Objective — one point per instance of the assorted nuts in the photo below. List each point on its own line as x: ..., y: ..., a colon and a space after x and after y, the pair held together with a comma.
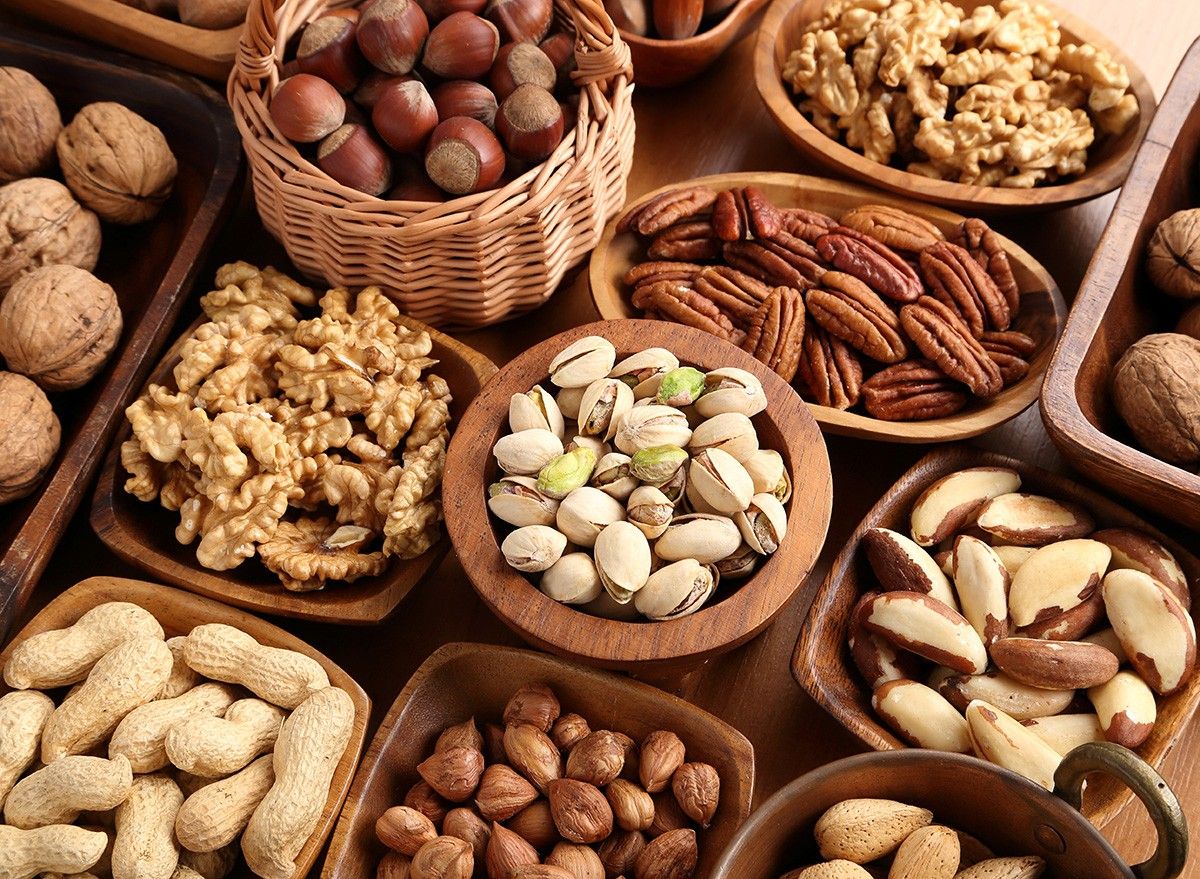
x: 640, y: 484
x: 546, y: 797
x: 1019, y: 603
x: 667, y: 19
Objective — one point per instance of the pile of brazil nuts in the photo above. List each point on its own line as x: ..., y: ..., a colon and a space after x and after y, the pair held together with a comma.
x: 871, y: 831
x: 1010, y: 608
x: 543, y: 796
x: 164, y: 752
x: 650, y: 528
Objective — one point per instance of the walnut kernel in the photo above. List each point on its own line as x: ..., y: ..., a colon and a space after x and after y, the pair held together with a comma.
x: 29, y: 435
x: 1156, y: 389
x: 29, y: 124
x: 41, y: 224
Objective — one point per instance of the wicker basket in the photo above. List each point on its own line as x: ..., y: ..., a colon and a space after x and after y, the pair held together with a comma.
x: 467, y: 262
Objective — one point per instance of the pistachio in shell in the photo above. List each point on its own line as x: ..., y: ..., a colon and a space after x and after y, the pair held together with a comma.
x: 675, y: 590
x: 700, y: 536
x: 681, y: 387
x: 566, y: 472
x: 605, y: 401
x: 612, y: 476
x: 650, y: 511
x: 721, y: 481
x: 568, y: 402
x: 535, y: 408
x: 740, y: 564
x: 533, y: 548
x: 643, y: 372
x: 595, y: 445
x: 526, y: 452
x: 644, y: 427
x: 622, y: 556
x: 696, y: 503
x: 583, y: 362
x: 517, y: 501
x: 656, y: 465
x: 730, y: 389
x: 585, y: 512
x: 769, y: 474
x: 764, y: 523
x: 572, y: 579
x: 675, y: 487
x: 730, y: 432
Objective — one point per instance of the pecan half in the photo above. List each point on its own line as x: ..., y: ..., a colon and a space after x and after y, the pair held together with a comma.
x: 742, y: 214
x: 978, y: 239
x: 914, y: 390
x: 852, y: 311
x: 805, y: 224
x: 897, y: 229
x: 776, y: 336
x: 753, y: 258
x: 1011, y: 350
x: 941, y: 336
x: 647, y: 273
x: 799, y: 254
x: 691, y: 241
x: 957, y: 280
x: 830, y: 369
x: 680, y: 303
x: 735, y: 293
x: 872, y: 262
x: 667, y: 210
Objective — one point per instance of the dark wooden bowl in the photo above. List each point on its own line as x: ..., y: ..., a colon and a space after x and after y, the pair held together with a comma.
x: 735, y: 616
x: 1043, y: 311
x: 179, y: 613
x: 1117, y: 305
x: 459, y: 681
x: 1109, y: 159
x: 822, y: 662
x: 144, y: 533
x: 151, y: 267
x: 1008, y: 813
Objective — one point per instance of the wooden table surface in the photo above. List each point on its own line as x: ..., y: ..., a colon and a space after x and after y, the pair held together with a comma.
x: 718, y: 124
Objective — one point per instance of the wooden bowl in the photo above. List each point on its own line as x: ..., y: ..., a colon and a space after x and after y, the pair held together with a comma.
x: 180, y: 612
x: 660, y: 63
x: 735, y: 616
x: 459, y: 681
x: 1042, y: 308
x: 1108, y: 160
x: 1006, y: 812
x: 822, y: 664
x: 143, y: 534
x: 1117, y: 305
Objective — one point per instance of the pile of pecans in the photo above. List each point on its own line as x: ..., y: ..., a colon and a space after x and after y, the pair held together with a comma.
x: 877, y: 308
x: 545, y: 797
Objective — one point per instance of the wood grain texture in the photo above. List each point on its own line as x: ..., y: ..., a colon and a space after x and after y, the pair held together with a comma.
x: 1042, y: 314
x: 1108, y: 160
x: 179, y: 613
x: 476, y: 680
x: 738, y: 611
x: 660, y: 63
x: 1117, y: 305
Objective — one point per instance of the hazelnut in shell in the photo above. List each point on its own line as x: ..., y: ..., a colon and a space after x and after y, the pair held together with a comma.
x: 630, y: 16
x: 328, y: 49
x: 29, y: 124
x: 306, y: 109
x: 42, y: 224
x: 677, y: 19
x: 530, y: 122
x: 463, y: 156
x: 29, y: 436
x: 439, y: 9
x: 521, y: 20
x: 352, y: 157
x: 59, y: 325
x: 464, y: 97
x: 405, y: 116
x: 461, y: 46
x: 117, y: 163
x: 213, y: 14
x: 372, y: 87
x: 520, y: 63
x: 560, y: 49
x: 413, y: 184
x: 391, y: 34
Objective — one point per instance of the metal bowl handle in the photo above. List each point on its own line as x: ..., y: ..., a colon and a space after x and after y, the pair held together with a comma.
x: 1170, y: 855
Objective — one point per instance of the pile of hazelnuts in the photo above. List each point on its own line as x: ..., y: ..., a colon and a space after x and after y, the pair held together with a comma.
x: 424, y: 99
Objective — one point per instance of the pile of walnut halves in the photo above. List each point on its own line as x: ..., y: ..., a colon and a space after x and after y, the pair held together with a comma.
x: 305, y: 441
x: 879, y: 307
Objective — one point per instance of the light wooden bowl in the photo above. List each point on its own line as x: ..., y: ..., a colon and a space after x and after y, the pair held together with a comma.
x: 143, y: 534
x: 1117, y: 305
x: 1042, y: 308
x: 459, y: 681
x: 1109, y: 159
x: 733, y: 616
x: 180, y: 612
x: 660, y: 63
x: 822, y: 662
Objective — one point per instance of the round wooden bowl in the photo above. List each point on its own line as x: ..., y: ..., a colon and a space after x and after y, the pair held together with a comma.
x: 661, y: 63
x: 1042, y: 315
x: 1109, y: 159
x: 733, y: 616
x: 1009, y: 814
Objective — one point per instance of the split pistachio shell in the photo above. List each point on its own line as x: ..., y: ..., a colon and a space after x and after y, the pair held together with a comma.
x: 696, y: 503
x: 622, y: 556
x: 675, y: 487
x: 565, y: 473
x: 533, y: 548
x: 517, y: 501
x: 612, y: 476
x: 730, y: 389
x: 681, y: 387
x: 730, y: 432
x: 585, y: 512
x: 535, y: 408
x: 604, y: 404
x: 650, y: 510
x: 763, y: 524
x: 595, y: 445
x: 705, y: 538
x: 769, y: 474
x: 740, y: 564
x: 643, y: 371
x: 657, y: 465
x: 583, y: 362
x: 569, y: 400
x: 644, y: 427
x: 721, y: 481
x: 526, y: 452
x: 675, y: 590
x: 572, y: 579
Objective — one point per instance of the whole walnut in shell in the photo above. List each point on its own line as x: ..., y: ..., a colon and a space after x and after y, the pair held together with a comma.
x: 1173, y: 255
x: 29, y: 435
x: 1156, y: 389
x: 29, y: 124
x: 41, y: 224
x: 58, y: 325
x: 116, y: 162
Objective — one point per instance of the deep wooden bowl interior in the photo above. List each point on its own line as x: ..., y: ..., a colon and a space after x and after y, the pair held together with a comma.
x: 822, y: 663
x: 659, y: 63
x: 734, y: 615
x: 1108, y: 163
x: 1117, y: 305
x: 459, y: 681
x: 179, y: 613
x: 1042, y: 314
x: 144, y: 533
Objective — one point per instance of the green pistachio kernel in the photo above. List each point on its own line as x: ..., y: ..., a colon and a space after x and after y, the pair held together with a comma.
x: 657, y: 464
x: 566, y: 473
x: 681, y: 387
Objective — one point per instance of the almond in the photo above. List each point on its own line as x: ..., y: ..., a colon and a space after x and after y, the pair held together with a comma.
x: 1139, y: 551
x: 862, y: 830
x: 1066, y: 732
x: 971, y: 851
x: 580, y: 811
x: 404, y: 829
x: 632, y: 807
x: 671, y: 856
x: 462, y: 735
x: 454, y: 773
x: 833, y: 870
x: 661, y: 754
x: 1126, y: 708
x: 1017, y: 700
x: 1002, y: 740
x: 928, y: 853
x: 900, y: 565
x: 922, y: 717
x: 598, y: 759
x: 952, y: 502
x: 1153, y: 627
x: 580, y: 861
x: 1054, y: 665
x: 928, y: 628
x: 503, y: 793
x: 982, y: 581
x: 1033, y: 520
x: 697, y: 789
x: 1029, y: 867
x: 532, y: 754
x: 534, y: 704
x: 1056, y: 579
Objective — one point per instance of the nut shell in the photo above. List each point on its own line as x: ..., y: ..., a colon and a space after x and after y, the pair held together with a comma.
x: 42, y: 224
x: 29, y: 436
x: 1173, y: 254
x: 29, y: 124
x: 1156, y: 390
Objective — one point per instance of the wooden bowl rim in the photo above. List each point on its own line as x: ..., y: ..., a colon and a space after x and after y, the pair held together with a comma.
x: 723, y: 33
x: 1090, y: 184
x: 510, y: 594
x: 611, y: 302
x: 120, y: 535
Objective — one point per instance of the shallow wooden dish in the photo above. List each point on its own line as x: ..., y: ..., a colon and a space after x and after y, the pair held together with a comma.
x: 1109, y: 161
x: 659, y: 63
x: 736, y: 615
x: 1042, y: 308
x: 180, y: 612
x: 822, y: 662
x: 1117, y: 305
x: 144, y: 533
x: 459, y: 681
x: 151, y: 266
